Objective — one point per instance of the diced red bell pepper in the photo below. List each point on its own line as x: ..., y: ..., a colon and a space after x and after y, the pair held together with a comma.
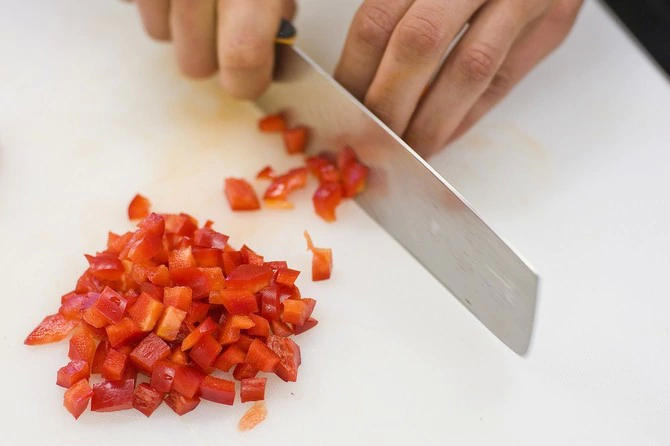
x: 345, y: 157
x: 354, y: 179
x: 251, y: 277
x: 152, y: 290
x: 181, y: 404
x: 244, y: 371
x: 88, y: 283
x: 142, y: 246
x: 236, y: 301
x: 261, y: 326
x: 241, y: 196
x: 322, y: 263
x: 149, y: 351
x: 112, y: 239
x: 146, y: 311
x: 297, y: 311
x: 231, y: 260
x: 182, y: 224
x: 138, y: 273
x: 326, y: 199
x: 169, y: 323
x: 100, y: 355
x: 295, y: 139
x: 276, y: 265
x: 163, y: 375
x: 181, y: 258
x: 217, y: 390
x: 248, y: 255
x: 208, y: 326
x: 158, y: 275
x: 105, y: 266
x: 215, y: 279
x: 124, y: 332
x: 178, y: 356
x: 205, y: 351
x: 178, y: 297
x: 230, y: 332
x: 322, y: 168
x: 114, y: 365
x: 284, y: 184
x: 261, y: 357
x: 309, y: 324
x: 286, y: 276
x: 74, y: 307
x: 77, y: 397
x: 138, y: 208
x: 187, y: 381
x: 53, y: 328
x: 272, y: 123
x: 206, y: 257
x: 280, y: 328
x: 111, y: 396
x: 192, y: 278
x: 94, y: 318
x: 72, y: 373
x: 266, y: 173
x: 270, y: 302
x: 231, y: 356
x: 111, y: 305
x: 197, y: 312
x: 146, y: 399
x: 252, y: 389
x: 322, y: 260
x: 244, y: 342
x: 253, y: 417
x: 289, y: 354
x: 82, y: 345
x: 209, y: 238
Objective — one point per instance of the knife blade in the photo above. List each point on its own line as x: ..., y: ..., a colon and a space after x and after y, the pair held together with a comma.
x: 411, y: 201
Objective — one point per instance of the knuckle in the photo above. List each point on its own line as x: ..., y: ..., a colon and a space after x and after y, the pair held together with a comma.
x: 196, y: 69
x: 245, y: 54
x: 477, y: 63
x: 564, y: 13
x: 422, y: 32
x: 374, y: 25
x: 500, y: 85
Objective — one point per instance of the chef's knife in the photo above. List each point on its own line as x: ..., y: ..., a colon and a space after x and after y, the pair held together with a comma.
x: 412, y: 202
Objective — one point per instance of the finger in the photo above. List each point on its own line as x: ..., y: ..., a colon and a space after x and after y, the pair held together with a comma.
x: 467, y: 73
x: 193, y: 25
x: 366, y: 42
x: 155, y: 17
x: 288, y: 9
x: 245, y: 39
x: 541, y: 38
x: 414, y: 54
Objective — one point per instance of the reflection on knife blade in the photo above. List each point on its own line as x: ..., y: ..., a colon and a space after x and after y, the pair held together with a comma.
x: 412, y: 202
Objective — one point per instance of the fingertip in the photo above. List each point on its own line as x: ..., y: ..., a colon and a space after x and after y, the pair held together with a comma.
x: 155, y: 18
x: 197, y: 70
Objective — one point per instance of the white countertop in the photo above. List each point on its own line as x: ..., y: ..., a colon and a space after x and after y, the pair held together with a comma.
x: 572, y: 169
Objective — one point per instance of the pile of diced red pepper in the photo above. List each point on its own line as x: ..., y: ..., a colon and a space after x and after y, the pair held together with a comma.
x: 340, y: 177
x: 166, y: 309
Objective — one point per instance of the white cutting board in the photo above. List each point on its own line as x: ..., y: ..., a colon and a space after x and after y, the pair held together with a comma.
x: 572, y: 170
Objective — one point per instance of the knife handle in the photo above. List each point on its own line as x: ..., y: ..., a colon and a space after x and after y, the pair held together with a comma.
x: 286, y: 34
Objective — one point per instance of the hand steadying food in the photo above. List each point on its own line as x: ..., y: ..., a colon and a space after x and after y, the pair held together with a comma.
x: 394, y: 49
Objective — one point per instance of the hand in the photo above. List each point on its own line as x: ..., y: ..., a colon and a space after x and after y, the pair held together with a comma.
x: 235, y: 37
x: 394, y: 48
